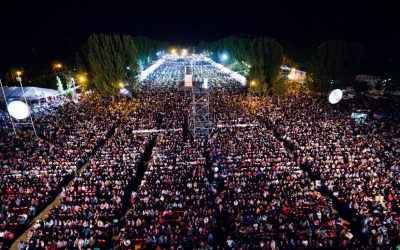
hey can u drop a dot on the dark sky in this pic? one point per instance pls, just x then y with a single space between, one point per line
35 31
191 21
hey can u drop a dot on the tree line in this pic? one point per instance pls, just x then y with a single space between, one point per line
110 61
114 61
329 64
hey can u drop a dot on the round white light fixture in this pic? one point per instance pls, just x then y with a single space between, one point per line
18 109
124 91
335 96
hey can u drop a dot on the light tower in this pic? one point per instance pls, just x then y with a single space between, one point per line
200 121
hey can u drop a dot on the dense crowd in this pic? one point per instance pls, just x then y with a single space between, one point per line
215 77
276 173
91 205
170 74
357 163
34 170
269 201
171 209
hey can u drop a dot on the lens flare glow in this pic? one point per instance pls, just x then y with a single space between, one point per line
335 96
18 109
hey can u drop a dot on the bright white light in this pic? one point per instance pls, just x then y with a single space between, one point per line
184 52
224 57
124 91
128 68
205 84
18 109
335 96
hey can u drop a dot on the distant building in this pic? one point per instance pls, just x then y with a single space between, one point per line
293 74
370 79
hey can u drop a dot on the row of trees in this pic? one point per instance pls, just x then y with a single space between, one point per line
335 64
113 61
258 57
330 64
109 60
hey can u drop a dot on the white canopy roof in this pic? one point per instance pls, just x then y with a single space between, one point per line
31 93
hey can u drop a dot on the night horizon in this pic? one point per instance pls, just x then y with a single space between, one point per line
31 28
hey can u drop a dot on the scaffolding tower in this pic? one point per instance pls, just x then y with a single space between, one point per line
200 119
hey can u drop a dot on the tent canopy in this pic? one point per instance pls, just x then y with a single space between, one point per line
31 93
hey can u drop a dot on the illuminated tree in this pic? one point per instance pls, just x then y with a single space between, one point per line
59 85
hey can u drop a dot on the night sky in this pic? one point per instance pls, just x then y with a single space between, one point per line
60 27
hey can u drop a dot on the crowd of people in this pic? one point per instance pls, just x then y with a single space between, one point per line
276 173
215 77
357 163
171 210
34 169
268 200
171 74
91 206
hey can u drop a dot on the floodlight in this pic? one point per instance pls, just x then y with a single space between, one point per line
205 84
124 91
335 96
18 109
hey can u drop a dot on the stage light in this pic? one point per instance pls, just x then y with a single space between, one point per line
58 65
82 78
205 84
18 109
184 52
335 96
124 91
224 57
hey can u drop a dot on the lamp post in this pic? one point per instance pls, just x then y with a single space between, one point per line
73 87
19 79
56 67
5 100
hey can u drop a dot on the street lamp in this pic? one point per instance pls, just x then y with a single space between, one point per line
224 57
121 85
19 79
81 79
184 52
253 83
57 66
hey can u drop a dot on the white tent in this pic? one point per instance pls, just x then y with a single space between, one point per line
31 93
